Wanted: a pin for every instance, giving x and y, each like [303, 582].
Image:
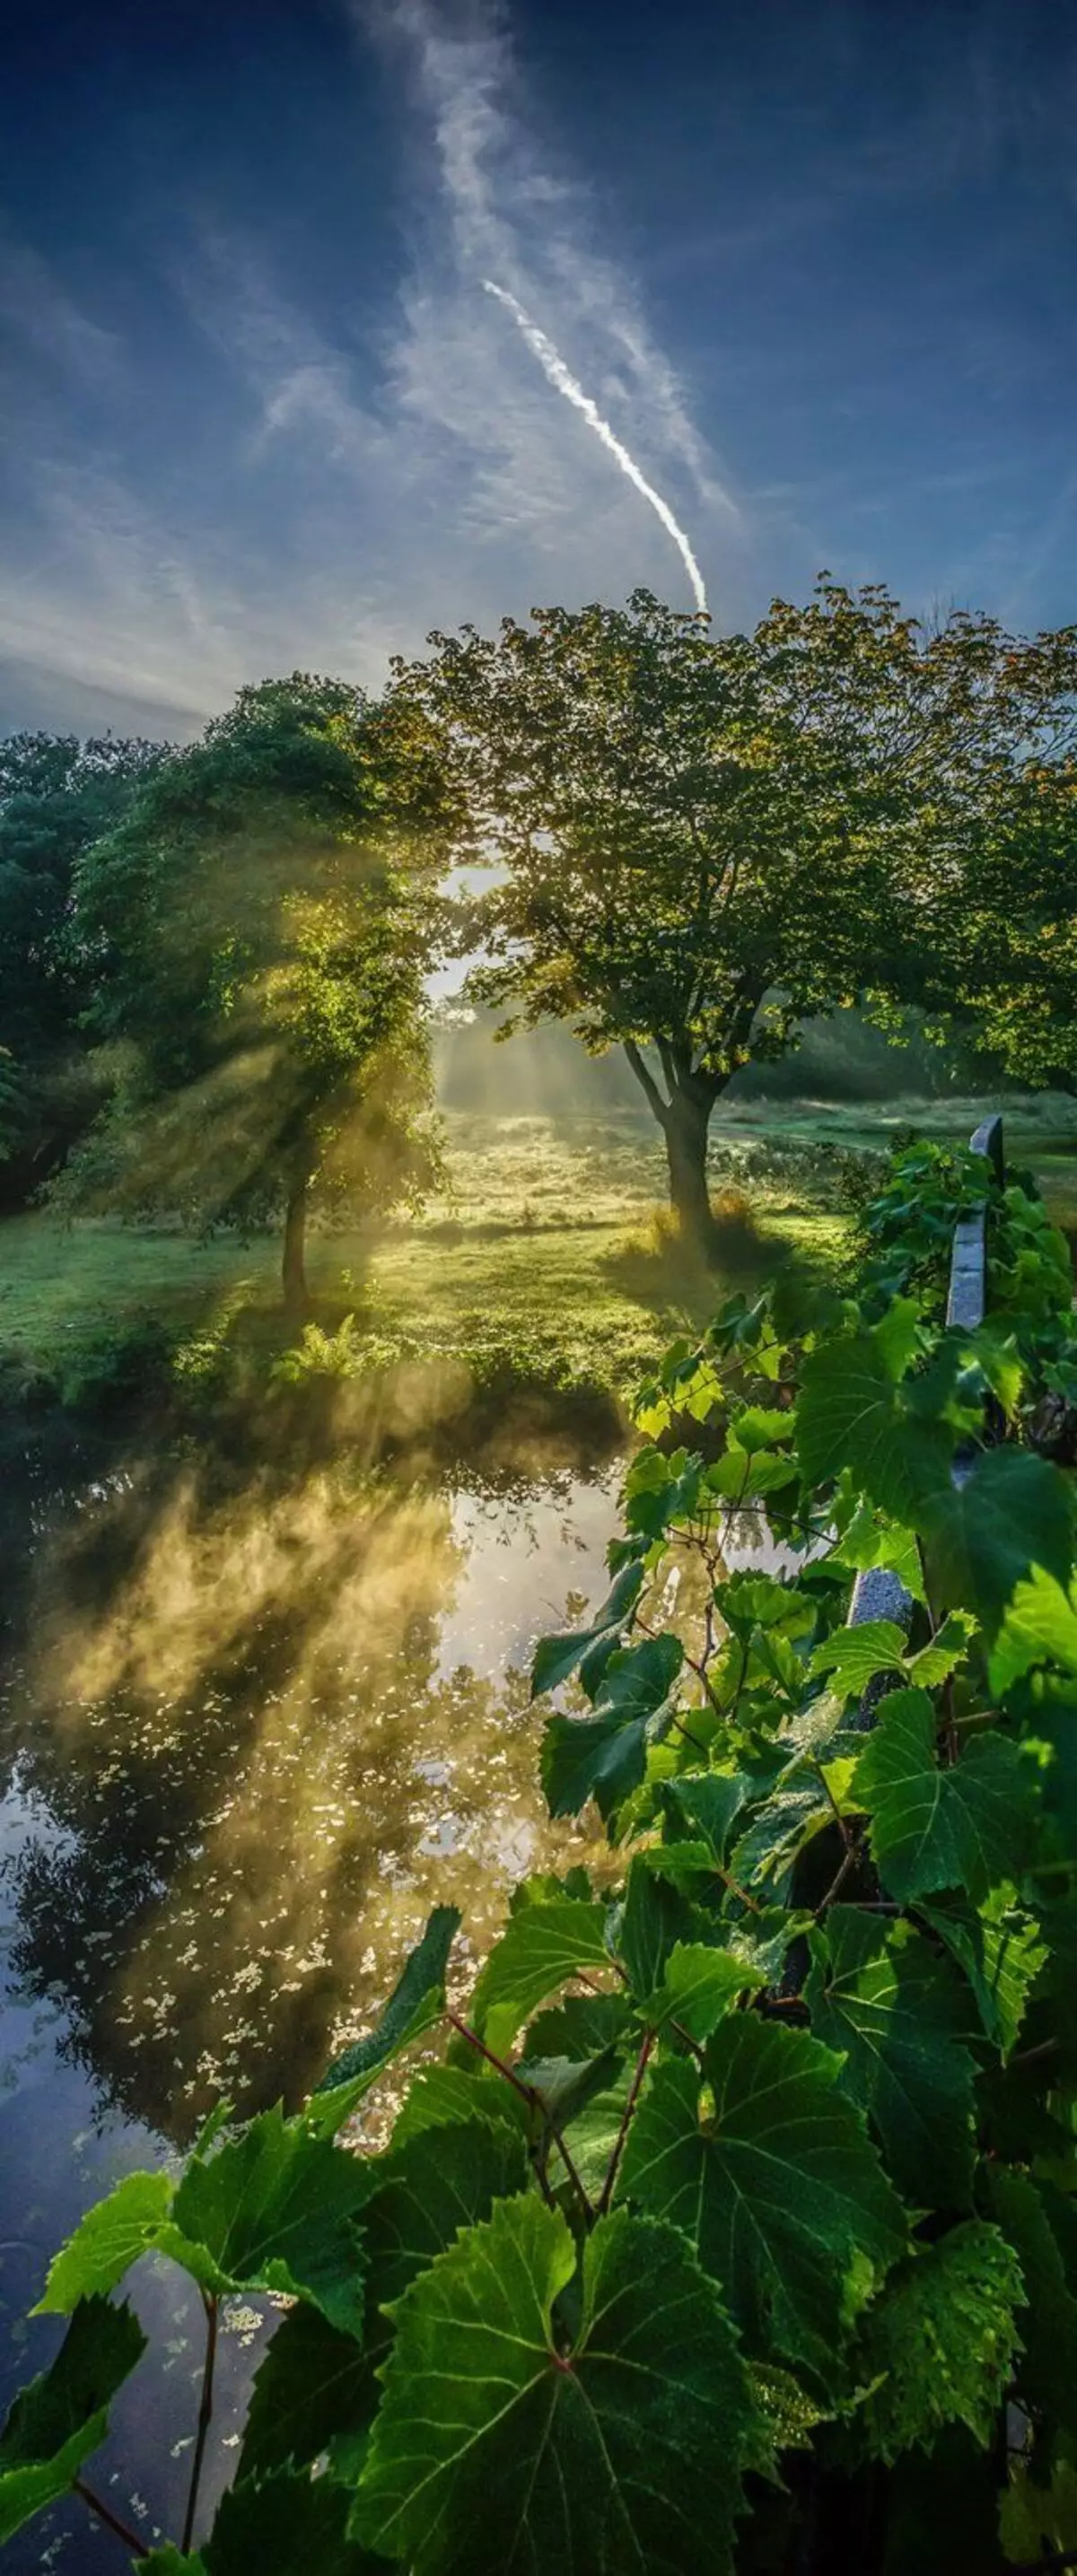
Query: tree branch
[646, 1081]
[104, 2513]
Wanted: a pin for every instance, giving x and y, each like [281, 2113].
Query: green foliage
[748, 2172]
[259, 921]
[705, 839]
[55, 2423]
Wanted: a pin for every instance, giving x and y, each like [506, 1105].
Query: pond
[246, 1744]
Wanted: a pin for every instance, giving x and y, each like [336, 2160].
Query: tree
[56, 795]
[258, 927]
[704, 840]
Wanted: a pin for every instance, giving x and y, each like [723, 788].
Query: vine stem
[96, 2505]
[205, 2418]
[533, 2100]
[649, 2038]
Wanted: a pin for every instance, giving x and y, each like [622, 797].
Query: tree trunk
[293, 1266]
[686, 1126]
[684, 1119]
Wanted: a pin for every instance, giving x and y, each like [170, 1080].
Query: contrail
[555, 368]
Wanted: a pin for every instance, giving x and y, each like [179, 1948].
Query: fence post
[879, 1594]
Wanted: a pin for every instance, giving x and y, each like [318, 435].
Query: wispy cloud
[321, 491]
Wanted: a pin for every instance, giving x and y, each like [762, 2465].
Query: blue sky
[813, 260]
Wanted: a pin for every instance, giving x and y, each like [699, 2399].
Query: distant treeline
[545, 1072]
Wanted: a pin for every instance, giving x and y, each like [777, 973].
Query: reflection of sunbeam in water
[268, 1772]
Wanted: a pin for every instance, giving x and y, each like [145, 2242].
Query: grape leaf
[107, 2241]
[1047, 2377]
[968, 1826]
[416, 2003]
[540, 1948]
[501, 2448]
[1039, 1627]
[62, 2416]
[1012, 1513]
[877, 1991]
[700, 1985]
[604, 1757]
[275, 2209]
[557, 1657]
[778, 2185]
[580, 2027]
[282, 2523]
[853, 1656]
[429, 2188]
[852, 1415]
[312, 2383]
[941, 2339]
[439, 2095]
[1001, 1951]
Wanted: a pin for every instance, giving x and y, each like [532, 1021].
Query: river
[246, 1742]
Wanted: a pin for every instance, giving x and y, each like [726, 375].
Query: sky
[810, 263]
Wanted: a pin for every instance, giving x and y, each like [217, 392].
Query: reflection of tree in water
[260, 1784]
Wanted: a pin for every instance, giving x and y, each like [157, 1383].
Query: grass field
[548, 1244]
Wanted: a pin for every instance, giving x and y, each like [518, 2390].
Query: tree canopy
[257, 927]
[706, 839]
[57, 794]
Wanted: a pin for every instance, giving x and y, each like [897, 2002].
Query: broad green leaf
[579, 2028]
[275, 2209]
[1038, 2517]
[741, 1476]
[700, 1985]
[852, 1415]
[1012, 1513]
[898, 1337]
[563, 2086]
[558, 1657]
[440, 2095]
[748, 1601]
[782, 1828]
[285, 2524]
[878, 1992]
[312, 2384]
[648, 1925]
[1001, 1951]
[604, 1757]
[62, 2415]
[707, 1805]
[503, 2446]
[853, 1656]
[869, 1540]
[107, 2241]
[761, 1426]
[416, 2003]
[1047, 2377]
[947, 1649]
[771, 2174]
[967, 1827]
[429, 2188]
[1039, 1627]
[541, 1948]
[764, 1940]
[941, 2339]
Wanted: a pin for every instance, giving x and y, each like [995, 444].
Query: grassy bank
[547, 1261]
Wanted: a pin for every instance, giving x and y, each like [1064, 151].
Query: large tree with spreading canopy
[704, 840]
[259, 926]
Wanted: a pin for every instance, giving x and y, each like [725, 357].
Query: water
[245, 1745]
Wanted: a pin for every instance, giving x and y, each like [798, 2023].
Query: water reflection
[245, 1745]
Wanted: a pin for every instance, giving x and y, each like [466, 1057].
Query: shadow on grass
[666, 1268]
